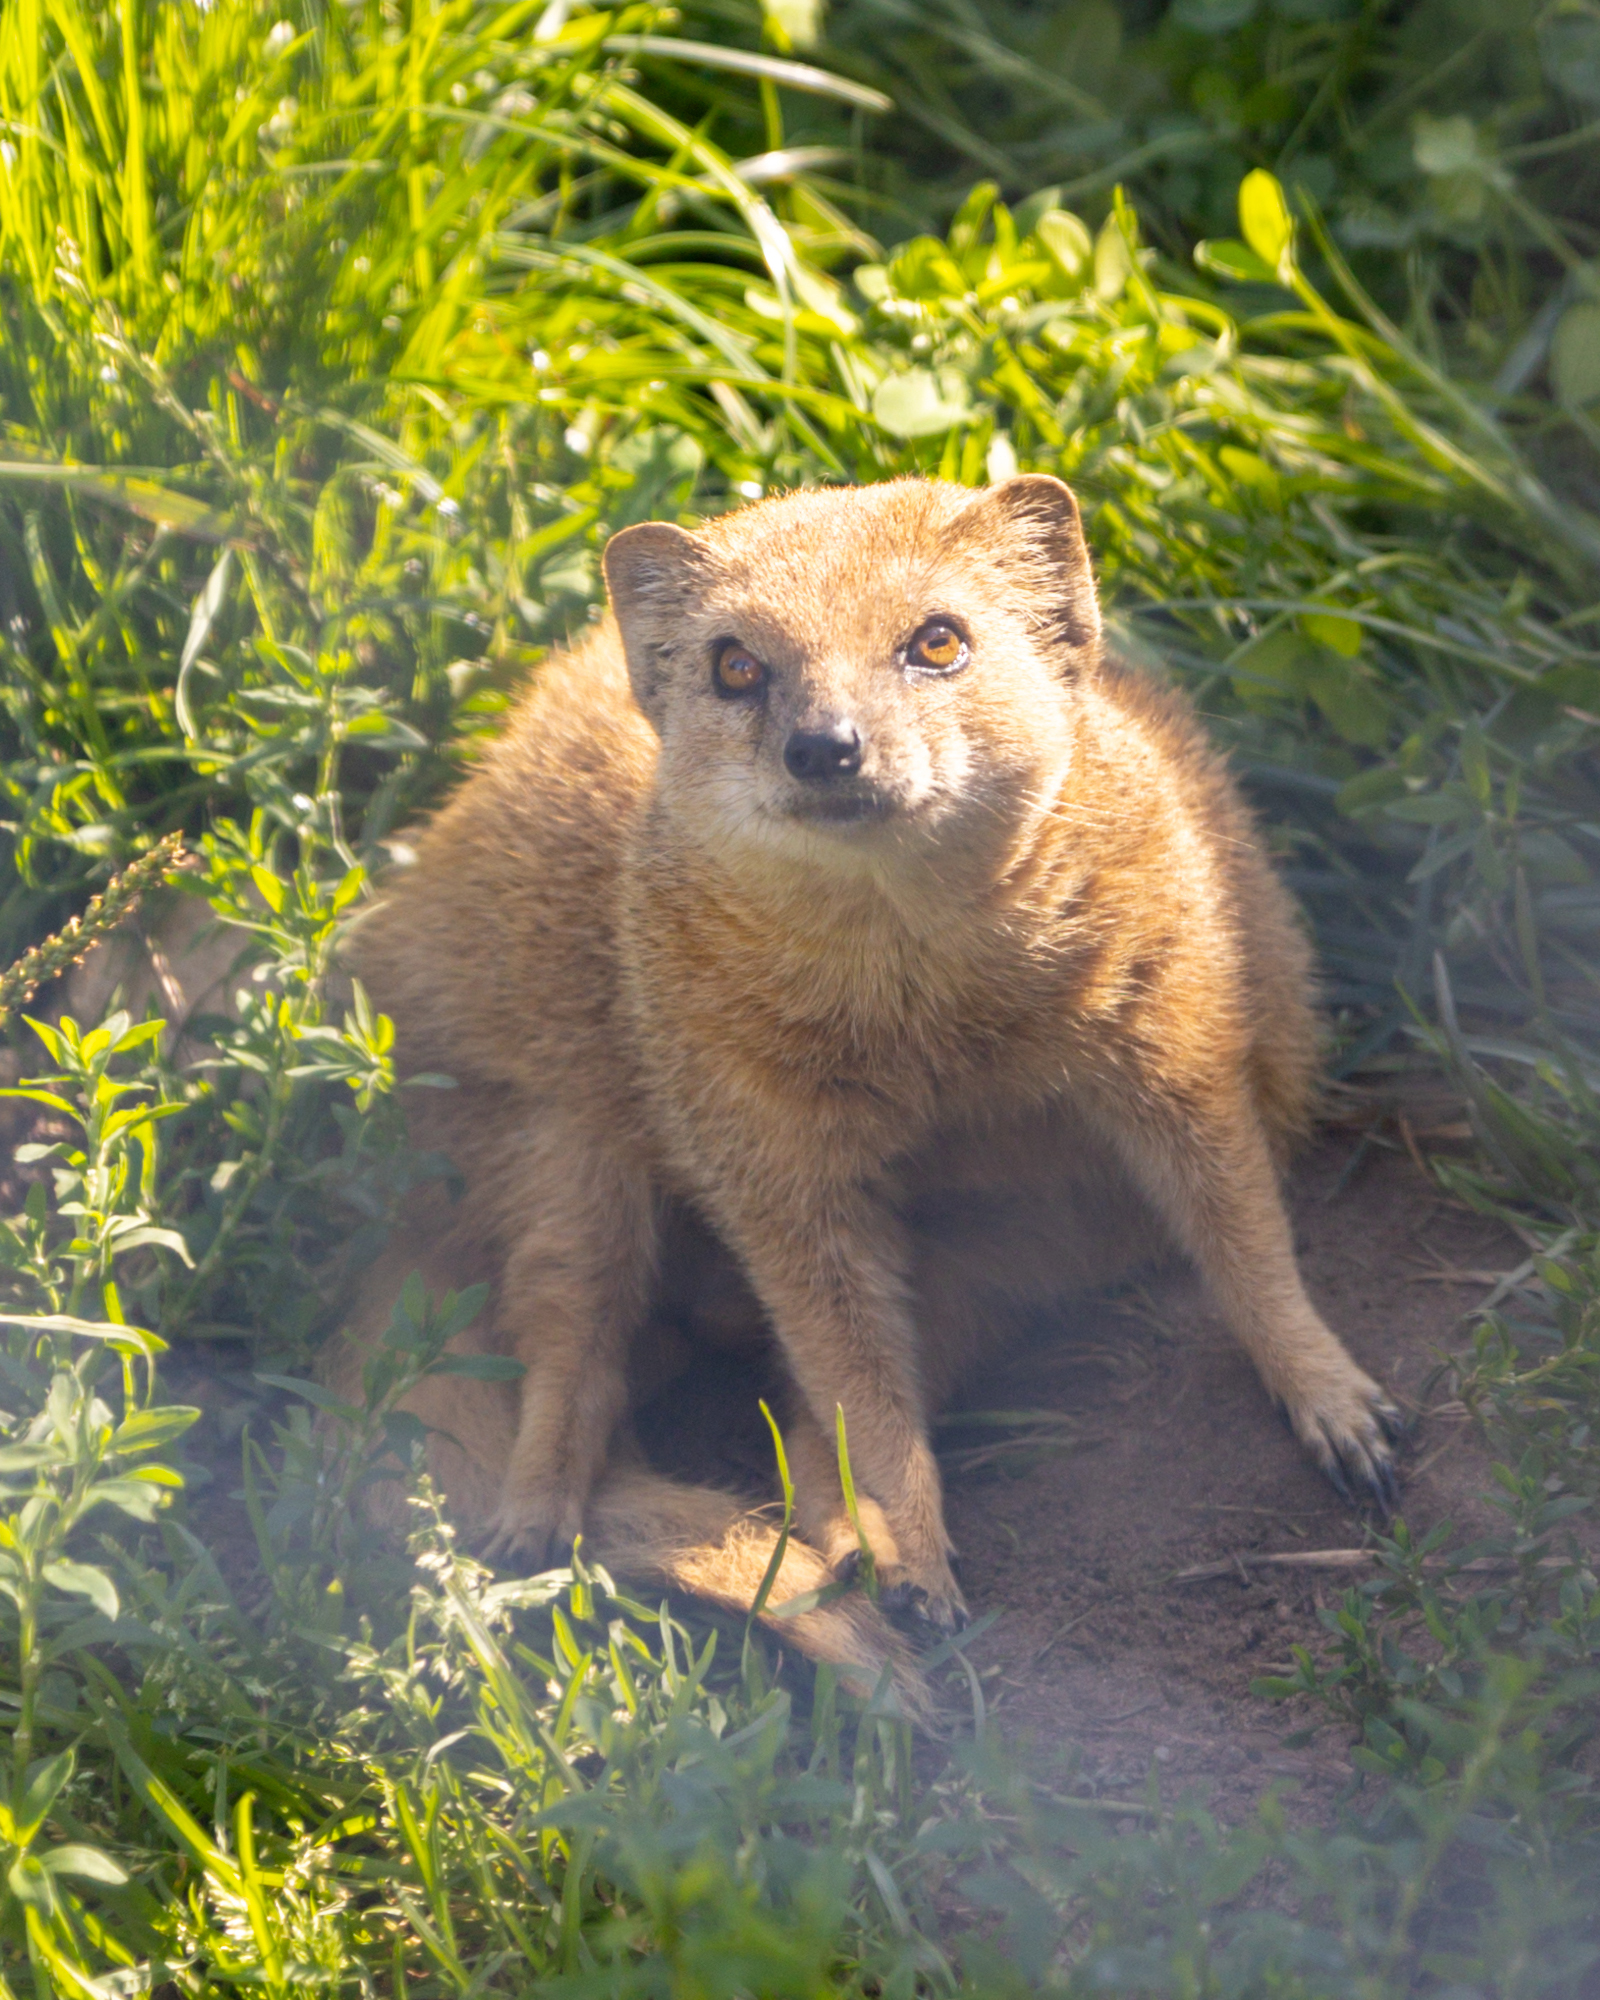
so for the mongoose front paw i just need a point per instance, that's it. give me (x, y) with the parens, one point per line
(930, 1604)
(934, 1614)
(538, 1530)
(1350, 1428)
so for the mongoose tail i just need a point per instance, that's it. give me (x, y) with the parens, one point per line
(646, 1529)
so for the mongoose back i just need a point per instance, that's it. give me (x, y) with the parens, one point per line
(836, 906)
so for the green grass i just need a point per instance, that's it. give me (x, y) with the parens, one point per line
(330, 350)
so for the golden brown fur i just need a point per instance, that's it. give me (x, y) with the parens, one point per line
(927, 1046)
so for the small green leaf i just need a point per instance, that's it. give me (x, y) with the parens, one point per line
(1228, 258)
(924, 269)
(1575, 354)
(1250, 470)
(480, 1367)
(869, 1566)
(146, 1429)
(397, 735)
(1113, 265)
(169, 1239)
(1265, 222)
(29, 1883)
(919, 403)
(202, 616)
(414, 1299)
(403, 1431)
(349, 889)
(1329, 628)
(136, 1338)
(1377, 787)
(39, 1794)
(136, 1036)
(84, 1580)
(457, 1310)
(55, 1043)
(1446, 145)
(1353, 704)
(1067, 242)
(29, 1457)
(1475, 762)
(269, 888)
(141, 1498)
(49, 1100)
(77, 1859)
(314, 1393)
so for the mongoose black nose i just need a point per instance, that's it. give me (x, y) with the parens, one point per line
(833, 752)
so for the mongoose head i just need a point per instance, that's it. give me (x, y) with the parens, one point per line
(860, 668)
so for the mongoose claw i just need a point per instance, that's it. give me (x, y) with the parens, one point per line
(941, 1615)
(1352, 1442)
(1396, 1424)
(911, 1605)
(924, 1611)
(1361, 1469)
(1334, 1472)
(516, 1533)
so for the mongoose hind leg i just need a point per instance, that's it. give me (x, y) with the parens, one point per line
(1009, 1225)
(575, 1289)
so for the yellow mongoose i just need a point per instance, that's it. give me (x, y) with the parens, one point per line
(835, 904)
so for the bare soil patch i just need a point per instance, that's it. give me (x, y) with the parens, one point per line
(1098, 1647)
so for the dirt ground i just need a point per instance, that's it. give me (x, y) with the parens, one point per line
(1097, 1644)
(1168, 1457)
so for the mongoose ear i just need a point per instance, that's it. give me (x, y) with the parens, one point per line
(653, 571)
(1038, 532)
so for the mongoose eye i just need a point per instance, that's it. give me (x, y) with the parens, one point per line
(736, 671)
(937, 647)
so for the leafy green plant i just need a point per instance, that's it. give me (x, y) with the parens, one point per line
(104, 1201)
(82, 1426)
(446, 1792)
(1454, 148)
(316, 1537)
